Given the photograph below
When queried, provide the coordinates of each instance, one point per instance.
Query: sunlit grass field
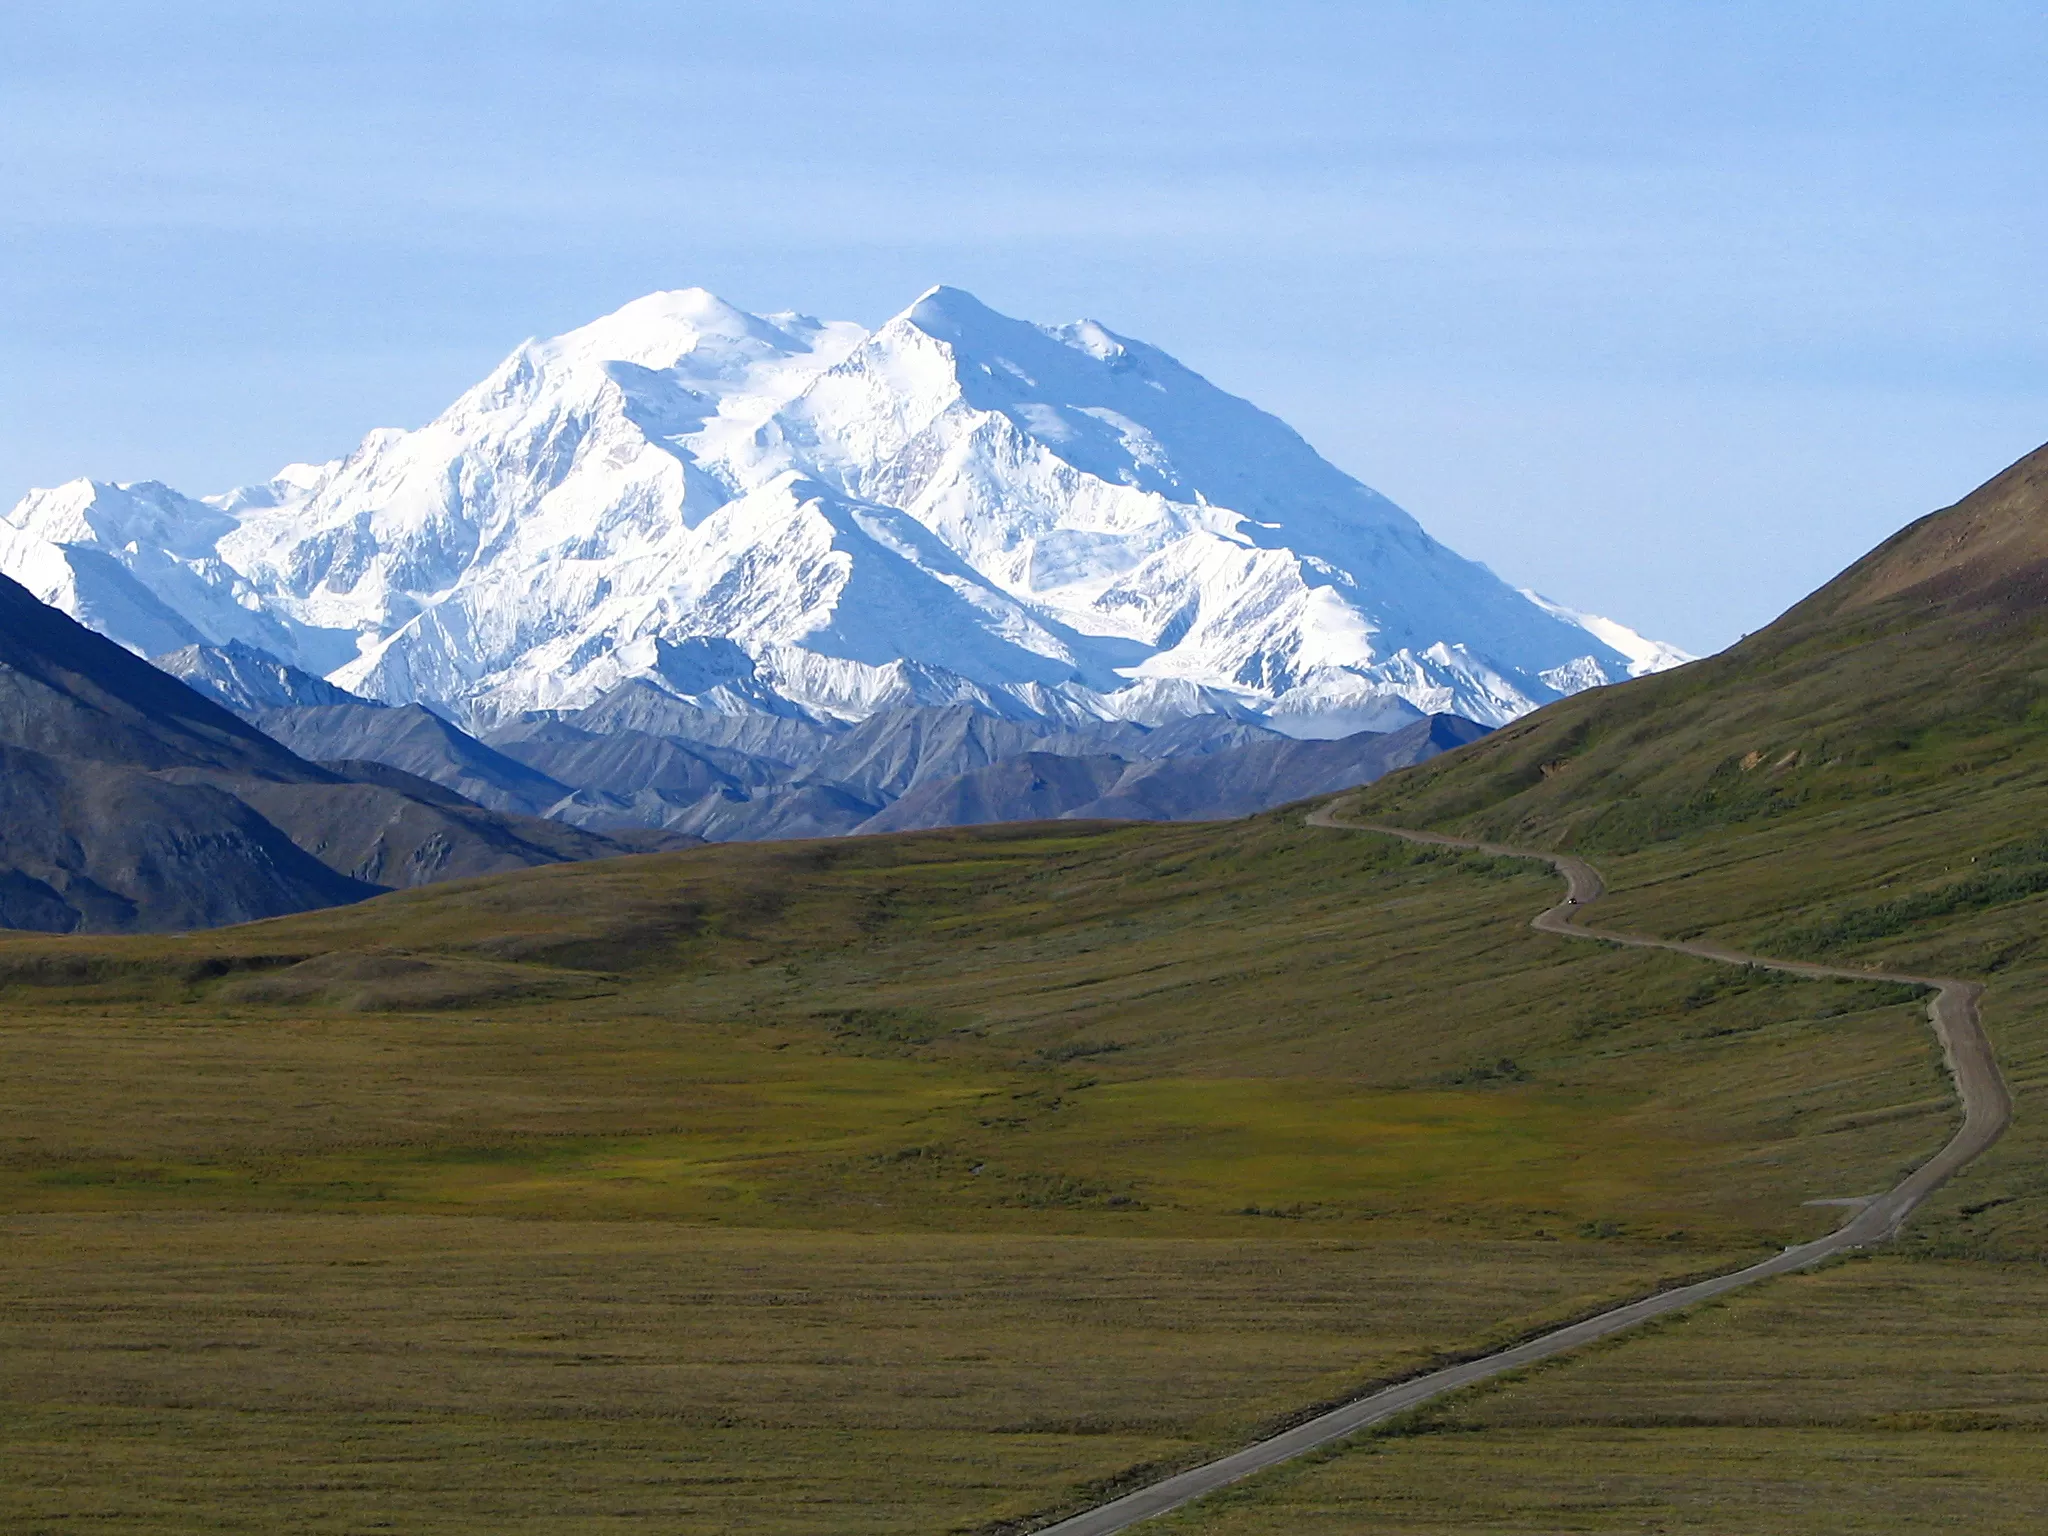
(259, 1373)
(1900, 1393)
(900, 1184)
(1143, 1031)
(1882, 1394)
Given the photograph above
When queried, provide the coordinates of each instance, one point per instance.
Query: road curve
(1987, 1108)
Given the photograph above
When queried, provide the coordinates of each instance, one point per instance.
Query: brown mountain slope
(67, 691)
(1926, 658)
(1989, 551)
(128, 802)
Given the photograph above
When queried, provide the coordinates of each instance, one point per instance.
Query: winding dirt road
(1987, 1108)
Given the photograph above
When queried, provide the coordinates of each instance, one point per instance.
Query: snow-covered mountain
(241, 678)
(773, 513)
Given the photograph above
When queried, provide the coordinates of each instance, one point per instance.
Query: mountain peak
(659, 330)
(954, 315)
(1035, 519)
(957, 316)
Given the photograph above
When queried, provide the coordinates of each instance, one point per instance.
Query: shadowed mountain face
(129, 802)
(90, 837)
(1924, 658)
(95, 846)
(420, 742)
(1238, 780)
(243, 678)
(392, 834)
(67, 691)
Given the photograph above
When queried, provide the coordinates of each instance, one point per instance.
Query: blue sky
(1667, 310)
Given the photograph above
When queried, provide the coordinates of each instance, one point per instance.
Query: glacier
(776, 514)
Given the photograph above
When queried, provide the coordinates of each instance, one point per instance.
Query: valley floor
(1881, 1394)
(908, 1184)
(211, 1372)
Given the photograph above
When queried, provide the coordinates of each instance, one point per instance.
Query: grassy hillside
(1865, 779)
(911, 1183)
(1920, 666)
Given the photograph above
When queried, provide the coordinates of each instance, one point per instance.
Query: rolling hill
(1864, 779)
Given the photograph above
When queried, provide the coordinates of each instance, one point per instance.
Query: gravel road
(1987, 1108)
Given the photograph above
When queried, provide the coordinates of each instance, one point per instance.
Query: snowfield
(778, 514)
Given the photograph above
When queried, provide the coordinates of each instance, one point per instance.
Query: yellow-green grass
(1783, 885)
(1143, 1030)
(1880, 1395)
(1864, 778)
(244, 1372)
(1098, 1057)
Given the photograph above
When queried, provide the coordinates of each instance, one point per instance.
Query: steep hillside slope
(90, 837)
(128, 801)
(1922, 662)
(66, 690)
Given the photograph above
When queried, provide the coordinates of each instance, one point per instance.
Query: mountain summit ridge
(957, 507)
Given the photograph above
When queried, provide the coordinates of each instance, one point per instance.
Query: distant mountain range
(781, 516)
(132, 800)
(641, 758)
